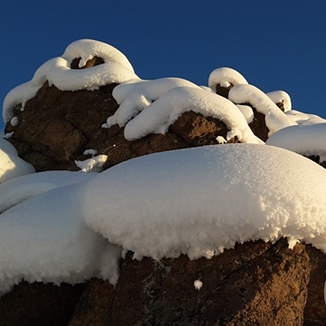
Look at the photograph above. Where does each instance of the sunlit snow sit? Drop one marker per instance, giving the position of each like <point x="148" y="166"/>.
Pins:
<point x="303" y="139"/>
<point x="57" y="71"/>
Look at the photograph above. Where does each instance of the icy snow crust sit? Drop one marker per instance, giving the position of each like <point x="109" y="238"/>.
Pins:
<point x="57" y="71"/>
<point x="304" y="139"/>
<point x="200" y="201"/>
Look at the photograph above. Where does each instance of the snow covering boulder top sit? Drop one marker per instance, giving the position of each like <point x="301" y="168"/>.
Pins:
<point x="200" y="201"/>
<point x="195" y="201"/>
<point x="307" y="140"/>
<point x="141" y="116"/>
<point x="281" y="99"/>
<point x="225" y="77"/>
<point x="57" y="71"/>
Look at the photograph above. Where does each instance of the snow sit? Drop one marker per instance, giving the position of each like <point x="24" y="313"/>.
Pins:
<point x="156" y="117"/>
<point x="281" y="97"/>
<point x="57" y="71"/>
<point x="303" y="139"/>
<point x="45" y="239"/>
<point x="200" y="201"/>
<point x="225" y="77"/>
<point x="134" y="96"/>
<point x="195" y="201"/>
<point x="198" y="284"/>
<point x="17" y="190"/>
<point x="11" y="165"/>
<point x="248" y="94"/>
<point x="301" y="118"/>
<point x="94" y="164"/>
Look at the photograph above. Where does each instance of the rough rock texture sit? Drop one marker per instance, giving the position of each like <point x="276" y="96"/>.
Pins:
<point x="255" y="283"/>
<point x="39" y="304"/>
<point x="56" y="127"/>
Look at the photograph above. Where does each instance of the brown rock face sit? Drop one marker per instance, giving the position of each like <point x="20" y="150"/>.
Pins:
<point x="253" y="284"/>
<point x="56" y="127"/>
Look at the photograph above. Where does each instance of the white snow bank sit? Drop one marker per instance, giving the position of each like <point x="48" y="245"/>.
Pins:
<point x="57" y="71"/>
<point x="281" y="97"/>
<point x="304" y="139"/>
<point x="11" y="165"/>
<point x="19" y="189"/>
<point x="301" y="118"/>
<point x="157" y="116"/>
<point x="248" y="94"/>
<point x="202" y="200"/>
<point x="225" y="77"/>
<point x="45" y="239"/>
<point x="134" y="96"/>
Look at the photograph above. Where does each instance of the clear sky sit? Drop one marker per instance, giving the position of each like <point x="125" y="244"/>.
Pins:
<point x="275" y="44"/>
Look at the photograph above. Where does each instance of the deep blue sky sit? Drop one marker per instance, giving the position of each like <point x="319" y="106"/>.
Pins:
<point x="274" y="44"/>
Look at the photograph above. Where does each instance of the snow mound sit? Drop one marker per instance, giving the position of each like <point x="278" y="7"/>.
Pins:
<point x="57" y="71"/>
<point x="248" y="94"/>
<point x="304" y="139"/>
<point x="301" y="118"/>
<point x="19" y="189"/>
<point x="45" y="239"/>
<point x="11" y="165"/>
<point x="143" y="117"/>
<point x="134" y="96"/>
<point x="281" y="97"/>
<point x="200" y="201"/>
<point x="225" y="77"/>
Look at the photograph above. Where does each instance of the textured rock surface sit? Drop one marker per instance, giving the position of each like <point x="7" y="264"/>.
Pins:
<point x="255" y="283"/>
<point x="56" y="127"/>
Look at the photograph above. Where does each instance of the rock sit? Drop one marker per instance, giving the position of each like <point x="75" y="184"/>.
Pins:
<point x="255" y="283"/>
<point x="39" y="304"/>
<point x="56" y="127"/>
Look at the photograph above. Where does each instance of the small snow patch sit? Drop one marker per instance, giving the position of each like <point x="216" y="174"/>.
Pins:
<point x="198" y="284"/>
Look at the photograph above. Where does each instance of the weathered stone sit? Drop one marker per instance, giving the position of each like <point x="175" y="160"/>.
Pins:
<point x="39" y="304"/>
<point x="255" y="283"/>
<point x="94" y="306"/>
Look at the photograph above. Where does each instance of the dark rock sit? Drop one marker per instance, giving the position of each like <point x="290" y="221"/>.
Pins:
<point x="56" y="127"/>
<point x="39" y="304"/>
<point x="90" y="63"/>
<point x="255" y="283"/>
<point x="258" y="125"/>
<point x="223" y="91"/>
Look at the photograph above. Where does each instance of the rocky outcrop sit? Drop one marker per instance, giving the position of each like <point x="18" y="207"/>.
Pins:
<point x="256" y="283"/>
<point x="56" y="127"/>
